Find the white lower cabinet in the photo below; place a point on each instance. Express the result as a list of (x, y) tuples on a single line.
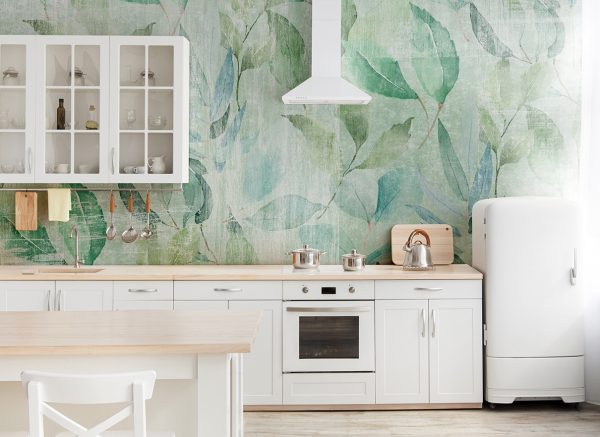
[(402, 358), (27, 296), (328, 388), (84, 295)]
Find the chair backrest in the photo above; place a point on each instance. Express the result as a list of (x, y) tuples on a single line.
[(43, 388)]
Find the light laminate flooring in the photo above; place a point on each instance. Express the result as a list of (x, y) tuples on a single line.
[(522, 419)]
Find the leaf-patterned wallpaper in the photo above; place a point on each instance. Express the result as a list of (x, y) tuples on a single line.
[(472, 99)]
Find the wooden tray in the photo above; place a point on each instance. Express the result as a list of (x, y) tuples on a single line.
[(442, 242)]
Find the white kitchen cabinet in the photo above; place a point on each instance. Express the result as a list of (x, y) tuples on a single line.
[(84, 295), (17, 102), (27, 295), (201, 305), (455, 351), (402, 348), (128, 305)]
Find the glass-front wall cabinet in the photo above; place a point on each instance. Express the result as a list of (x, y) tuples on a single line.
[(17, 101)]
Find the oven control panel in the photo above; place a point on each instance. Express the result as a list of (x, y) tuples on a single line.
[(328, 290)]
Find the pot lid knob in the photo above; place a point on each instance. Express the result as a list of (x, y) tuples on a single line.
[(305, 246), (354, 252)]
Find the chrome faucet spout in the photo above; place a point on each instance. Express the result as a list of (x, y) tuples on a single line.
[(78, 260)]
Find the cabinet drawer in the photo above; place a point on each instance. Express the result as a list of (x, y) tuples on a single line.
[(143, 290), (362, 290), (227, 290), (328, 388), (428, 289)]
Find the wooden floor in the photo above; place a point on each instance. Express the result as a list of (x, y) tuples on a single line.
[(522, 419)]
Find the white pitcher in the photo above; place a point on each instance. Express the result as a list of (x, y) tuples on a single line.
[(157, 164)]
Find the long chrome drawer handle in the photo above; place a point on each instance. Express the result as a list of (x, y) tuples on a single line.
[(328, 310), (428, 289), (422, 322), (143, 290), (230, 290)]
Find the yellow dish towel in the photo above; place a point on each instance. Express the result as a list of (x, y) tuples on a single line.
[(59, 204)]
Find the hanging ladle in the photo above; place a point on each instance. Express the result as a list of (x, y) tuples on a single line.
[(130, 235), (111, 231), (147, 232)]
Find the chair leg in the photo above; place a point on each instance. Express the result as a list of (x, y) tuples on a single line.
[(36, 416), (139, 411)]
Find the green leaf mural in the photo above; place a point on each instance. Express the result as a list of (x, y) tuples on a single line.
[(434, 55), (551, 29), (146, 31), (349, 16), (320, 142), (396, 188), (356, 120), (33, 246), (223, 88), (238, 249), (482, 184), (287, 212), (486, 36), (390, 148), (453, 169), (43, 27), (197, 195), (229, 139), (548, 154), (488, 131)]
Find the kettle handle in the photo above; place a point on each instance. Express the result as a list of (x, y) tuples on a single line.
[(415, 233)]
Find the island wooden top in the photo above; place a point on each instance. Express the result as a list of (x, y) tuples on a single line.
[(232, 273), (127, 332)]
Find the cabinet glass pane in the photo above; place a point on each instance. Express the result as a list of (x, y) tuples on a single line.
[(52, 101), (58, 65), (87, 66), (329, 337), (132, 110), (131, 153), (160, 62), (12, 109), (13, 56), (132, 65), (58, 153), (83, 100), (12, 153), (87, 152), (160, 153), (160, 110)]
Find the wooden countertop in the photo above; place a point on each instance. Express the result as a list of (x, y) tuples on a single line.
[(127, 332), (233, 273)]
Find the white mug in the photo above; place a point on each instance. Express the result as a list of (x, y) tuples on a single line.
[(139, 170), (128, 169)]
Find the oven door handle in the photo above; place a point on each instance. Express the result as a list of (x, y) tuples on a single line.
[(328, 310)]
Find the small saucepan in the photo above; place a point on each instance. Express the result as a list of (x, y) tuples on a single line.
[(354, 262), (306, 258)]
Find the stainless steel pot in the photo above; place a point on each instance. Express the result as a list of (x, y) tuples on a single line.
[(354, 262), (306, 258), (418, 255)]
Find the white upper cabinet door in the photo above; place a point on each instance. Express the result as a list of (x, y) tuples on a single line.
[(455, 351), (18, 64), (402, 371), (84, 295), (262, 366), (73, 148), (150, 109), (27, 296)]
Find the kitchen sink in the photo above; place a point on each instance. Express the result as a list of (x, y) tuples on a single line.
[(69, 270)]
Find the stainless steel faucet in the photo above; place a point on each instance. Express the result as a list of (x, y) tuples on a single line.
[(78, 261)]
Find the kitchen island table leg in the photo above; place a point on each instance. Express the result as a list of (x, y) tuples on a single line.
[(237, 396), (214, 395)]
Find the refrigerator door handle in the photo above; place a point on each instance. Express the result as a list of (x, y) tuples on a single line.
[(573, 272)]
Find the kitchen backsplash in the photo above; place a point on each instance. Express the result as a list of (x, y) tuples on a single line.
[(471, 99)]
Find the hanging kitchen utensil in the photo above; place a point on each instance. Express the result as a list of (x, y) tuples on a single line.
[(26, 211), (354, 262), (418, 255), (147, 232), (306, 258), (130, 235), (111, 231)]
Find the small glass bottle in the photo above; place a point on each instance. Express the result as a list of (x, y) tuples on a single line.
[(60, 115), (91, 123)]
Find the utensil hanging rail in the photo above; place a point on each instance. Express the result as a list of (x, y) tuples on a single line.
[(101, 190)]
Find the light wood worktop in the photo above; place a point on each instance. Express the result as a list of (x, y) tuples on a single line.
[(232, 273), (127, 332)]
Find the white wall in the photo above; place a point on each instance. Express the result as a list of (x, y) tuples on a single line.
[(590, 166)]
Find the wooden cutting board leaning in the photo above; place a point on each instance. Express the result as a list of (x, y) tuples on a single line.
[(442, 242), (26, 211)]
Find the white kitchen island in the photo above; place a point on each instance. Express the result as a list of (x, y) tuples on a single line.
[(199, 345)]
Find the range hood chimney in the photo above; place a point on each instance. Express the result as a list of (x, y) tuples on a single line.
[(326, 86)]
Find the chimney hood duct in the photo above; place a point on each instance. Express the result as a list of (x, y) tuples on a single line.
[(326, 85)]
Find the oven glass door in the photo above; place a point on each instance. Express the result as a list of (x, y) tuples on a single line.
[(332, 336)]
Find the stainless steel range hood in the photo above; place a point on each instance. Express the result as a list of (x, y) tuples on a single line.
[(326, 85)]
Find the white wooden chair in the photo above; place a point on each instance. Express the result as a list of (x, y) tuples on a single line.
[(131, 388)]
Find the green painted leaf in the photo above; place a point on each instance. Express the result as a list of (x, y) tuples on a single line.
[(535, 82), (396, 188), (287, 212), (139, 203), (488, 131), (231, 38), (548, 155), (382, 255), (218, 127), (434, 56), (357, 196), (381, 75), (390, 148), (486, 36), (482, 184), (197, 195), (319, 235), (513, 151), (429, 217), (349, 16), (263, 171), (453, 169), (223, 88), (33, 246), (182, 248), (319, 143), (356, 122), (501, 86), (550, 28), (146, 31), (289, 64), (229, 139), (255, 57), (144, 2), (44, 27), (238, 249)]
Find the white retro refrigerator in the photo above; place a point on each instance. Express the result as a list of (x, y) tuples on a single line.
[(526, 247)]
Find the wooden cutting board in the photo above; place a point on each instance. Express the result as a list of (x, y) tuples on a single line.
[(26, 211), (442, 242)]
